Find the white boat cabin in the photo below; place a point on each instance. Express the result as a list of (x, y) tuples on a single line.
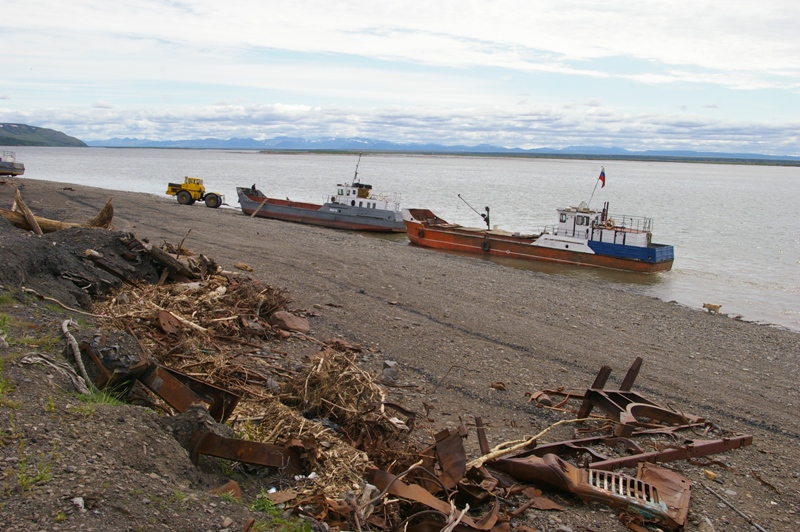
[(360, 195), (587, 224)]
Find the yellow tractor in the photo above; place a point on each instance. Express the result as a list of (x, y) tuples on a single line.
[(191, 190)]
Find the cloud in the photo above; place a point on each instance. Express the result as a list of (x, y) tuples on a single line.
[(552, 73), (508, 126)]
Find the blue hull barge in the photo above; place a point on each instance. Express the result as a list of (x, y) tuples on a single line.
[(583, 236)]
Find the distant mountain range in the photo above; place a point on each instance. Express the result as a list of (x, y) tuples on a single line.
[(362, 144), (24, 135)]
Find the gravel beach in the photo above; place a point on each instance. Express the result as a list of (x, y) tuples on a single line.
[(455, 324)]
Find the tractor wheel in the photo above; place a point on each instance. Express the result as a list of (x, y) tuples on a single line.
[(212, 200), (184, 198)]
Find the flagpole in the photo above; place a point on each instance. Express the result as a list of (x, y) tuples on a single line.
[(602, 170)]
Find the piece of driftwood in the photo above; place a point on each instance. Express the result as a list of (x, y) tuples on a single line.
[(26, 212), (102, 220), (174, 265)]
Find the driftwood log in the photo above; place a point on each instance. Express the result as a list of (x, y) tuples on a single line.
[(30, 219), (102, 220), (173, 265)]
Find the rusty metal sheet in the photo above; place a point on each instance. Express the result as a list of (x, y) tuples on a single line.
[(624, 407), (673, 488), (168, 323), (612, 489), (221, 401), (393, 485), (103, 376), (452, 457), (170, 389)]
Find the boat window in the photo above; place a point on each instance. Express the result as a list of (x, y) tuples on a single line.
[(360, 203), (562, 218), (341, 192)]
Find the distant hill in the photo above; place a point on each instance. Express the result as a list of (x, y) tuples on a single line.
[(23, 135), (362, 144)]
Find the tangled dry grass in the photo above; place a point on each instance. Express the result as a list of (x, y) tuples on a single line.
[(217, 329)]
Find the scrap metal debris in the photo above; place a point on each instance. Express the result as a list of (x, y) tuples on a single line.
[(330, 425), (202, 344)]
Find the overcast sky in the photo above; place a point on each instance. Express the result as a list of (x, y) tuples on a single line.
[(691, 74)]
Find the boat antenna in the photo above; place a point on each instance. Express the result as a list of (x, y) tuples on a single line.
[(485, 216), (601, 178), (355, 177)]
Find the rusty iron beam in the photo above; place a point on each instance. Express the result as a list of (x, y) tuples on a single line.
[(598, 384), (692, 449), (287, 460), (483, 443), (689, 450), (630, 377)]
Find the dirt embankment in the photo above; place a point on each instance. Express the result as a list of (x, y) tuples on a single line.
[(457, 324)]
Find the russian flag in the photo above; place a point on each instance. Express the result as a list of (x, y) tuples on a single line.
[(602, 177)]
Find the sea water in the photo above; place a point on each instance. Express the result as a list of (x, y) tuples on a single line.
[(734, 227)]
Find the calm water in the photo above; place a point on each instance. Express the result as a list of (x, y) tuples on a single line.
[(734, 228)]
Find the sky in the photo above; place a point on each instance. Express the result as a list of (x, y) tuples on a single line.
[(701, 75)]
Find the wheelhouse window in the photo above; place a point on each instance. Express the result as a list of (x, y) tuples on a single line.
[(562, 218), (341, 192)]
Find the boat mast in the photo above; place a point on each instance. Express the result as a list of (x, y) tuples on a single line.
[(355, 177), (601, 178), (482, 215)]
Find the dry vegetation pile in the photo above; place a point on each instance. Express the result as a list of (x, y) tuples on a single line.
[(218, 329)]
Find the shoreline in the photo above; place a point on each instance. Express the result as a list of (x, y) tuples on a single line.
[(765, 309), (318, 263), (455, 324)]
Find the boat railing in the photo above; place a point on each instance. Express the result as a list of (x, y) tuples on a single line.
[(632, 223), (392, 199)]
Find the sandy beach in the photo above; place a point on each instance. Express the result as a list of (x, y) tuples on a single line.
[(456, 324)]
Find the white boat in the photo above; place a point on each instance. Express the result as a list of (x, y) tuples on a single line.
[(9, 164)]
